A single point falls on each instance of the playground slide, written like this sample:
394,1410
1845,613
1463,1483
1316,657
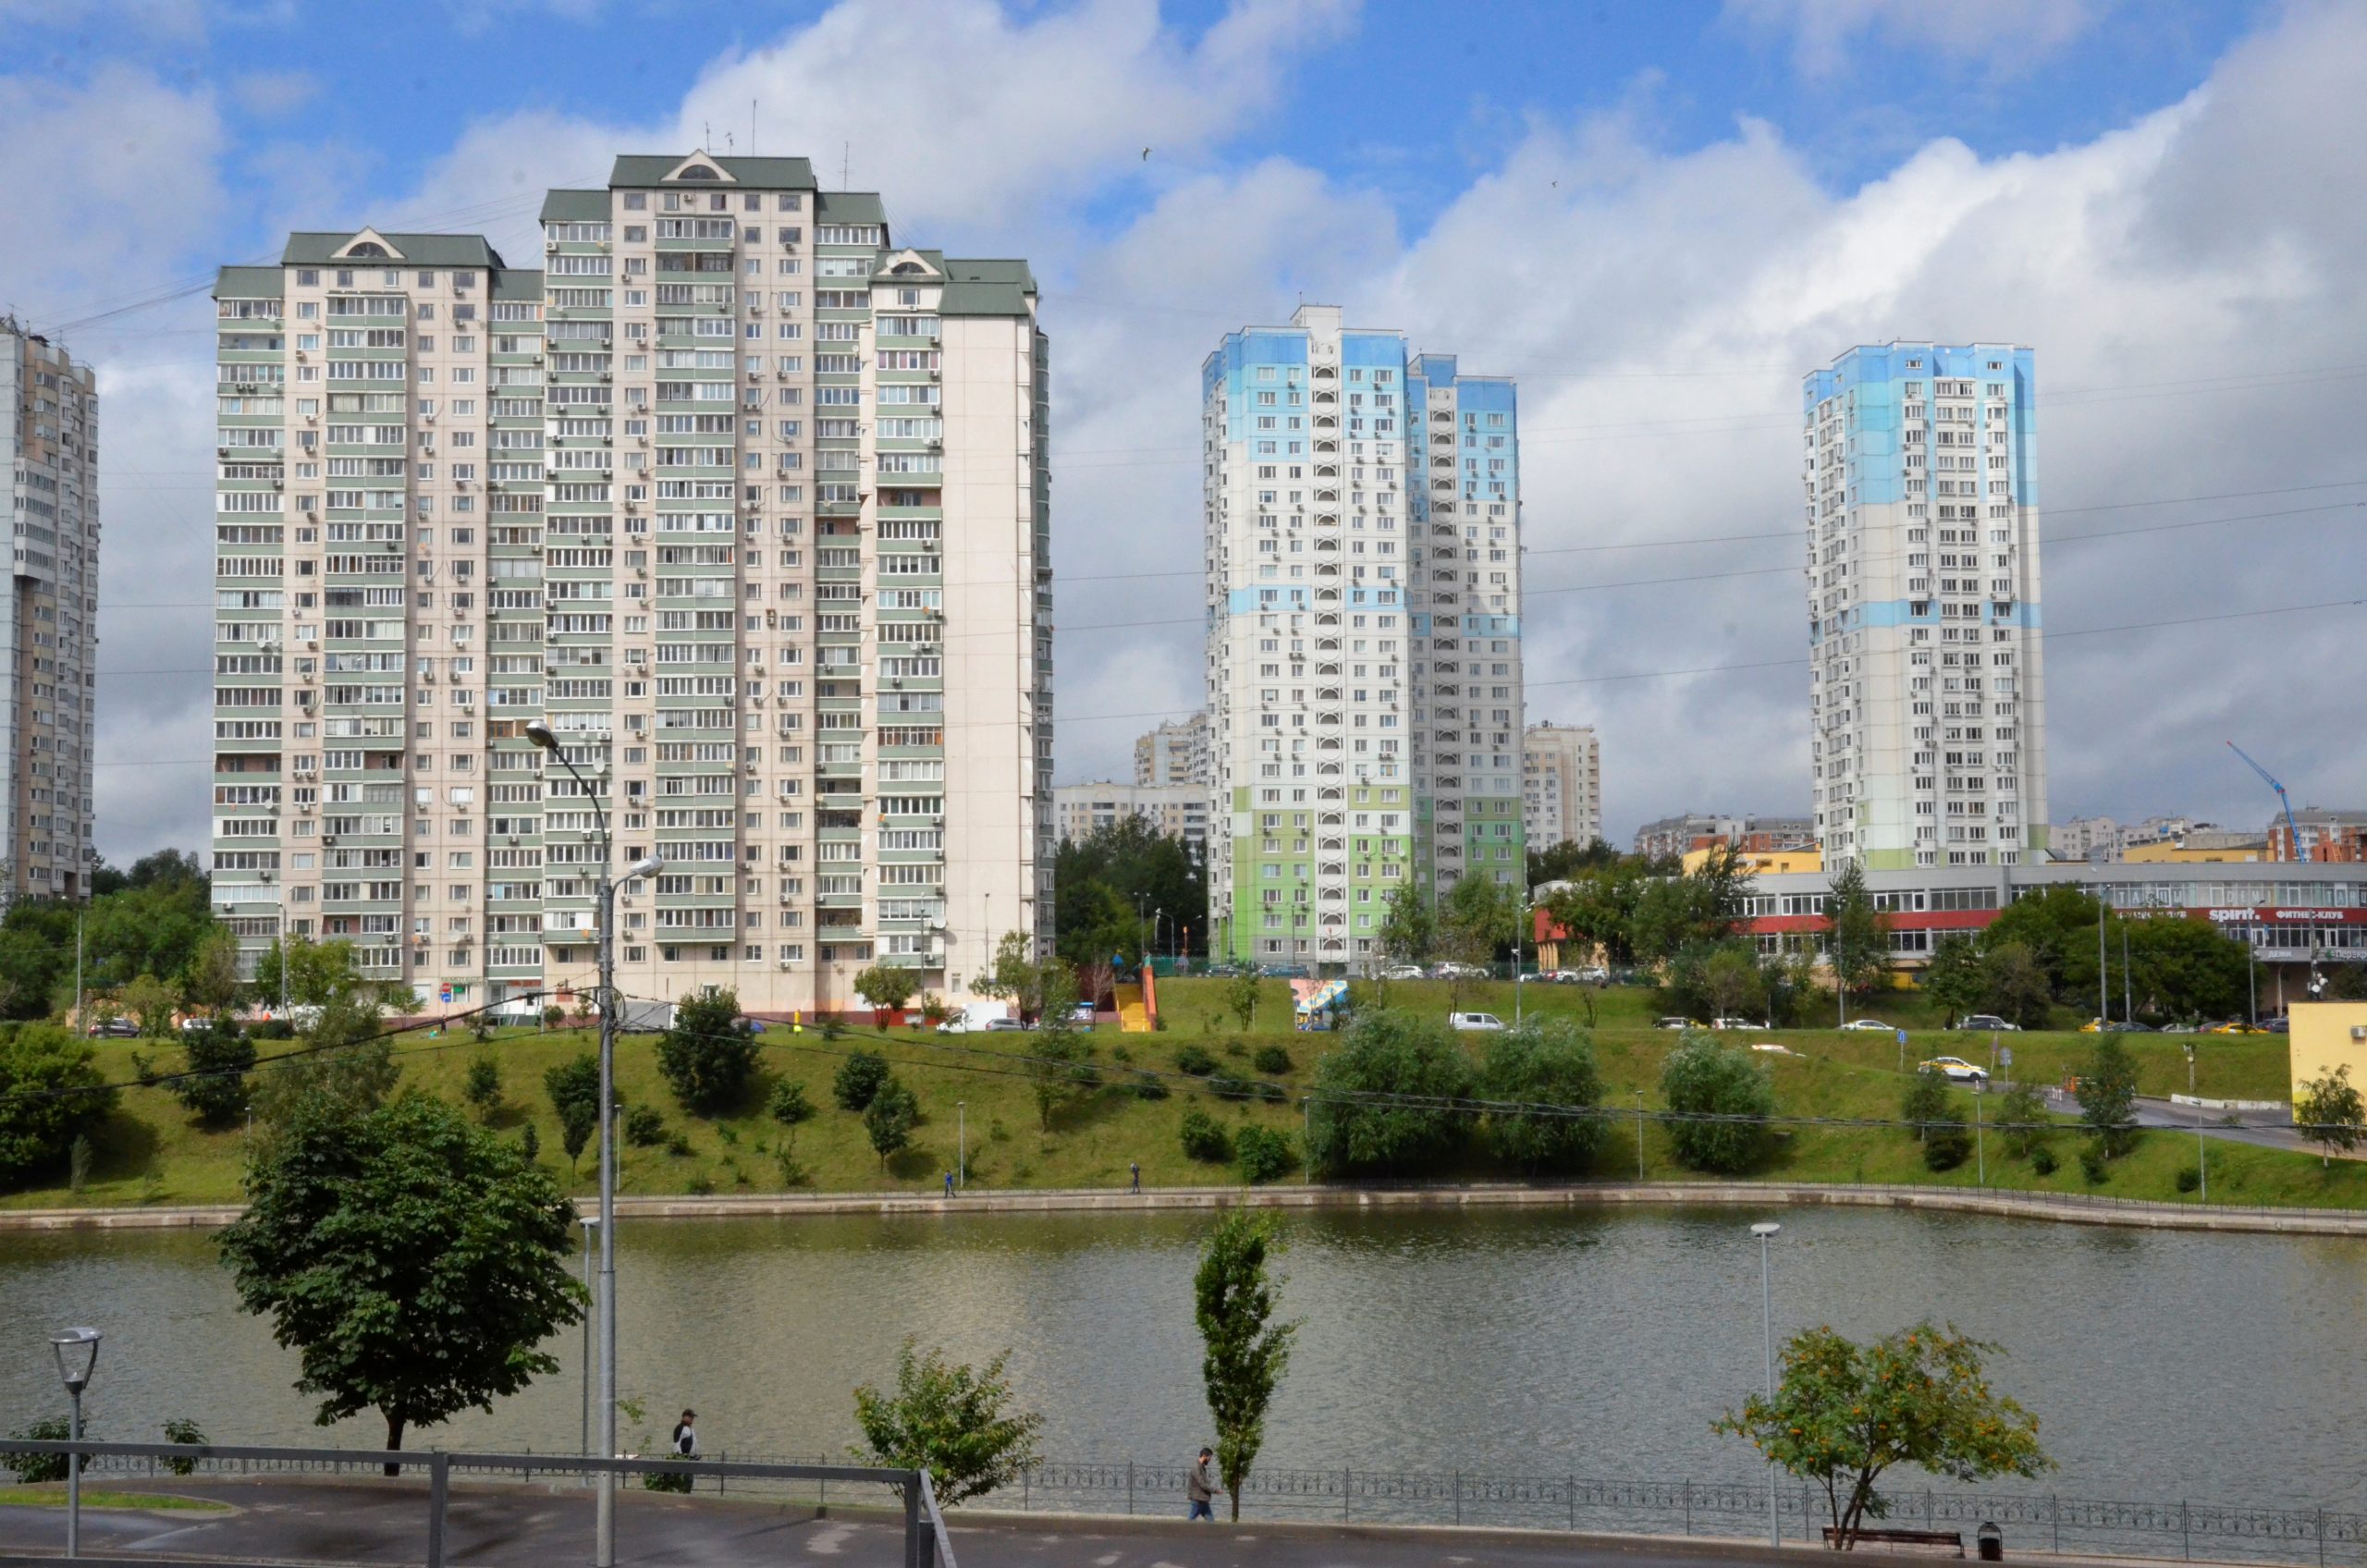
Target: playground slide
1133,1014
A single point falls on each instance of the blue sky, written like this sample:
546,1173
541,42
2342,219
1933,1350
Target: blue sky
1657,215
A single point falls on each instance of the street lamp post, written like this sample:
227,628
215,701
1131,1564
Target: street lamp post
1520,901
76,1351
604,1551
1639,1134
589,1225
960,1144
1765,1231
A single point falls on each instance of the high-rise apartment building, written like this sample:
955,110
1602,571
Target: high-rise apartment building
745,498
1927,685
1362,510
1561,784
49,449
1173,754
1179,811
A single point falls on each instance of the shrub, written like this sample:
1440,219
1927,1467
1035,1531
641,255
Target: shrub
1260,1154
2043,1160
1946,1144
223,1058
1120,1054
273,1029
789,1105
1543,1063
2190,1178
699,1186
1203,1139
481,1087
1705,1077
1389,1053
859,1078
182,1429
1272,1061
1227,1087
1196,1060
677,1146
35,1468
530,1143
2027,1128
644,1129
1149,1087
50,1092
889,1119
2093,1162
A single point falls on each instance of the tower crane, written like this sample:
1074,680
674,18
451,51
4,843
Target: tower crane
2293,837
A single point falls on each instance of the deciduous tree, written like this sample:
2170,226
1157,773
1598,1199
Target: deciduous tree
1542,1063
2108,1094
962,1426
2330,1114
51,1092
708,1055
1389,1052
1244,1350
1721,1097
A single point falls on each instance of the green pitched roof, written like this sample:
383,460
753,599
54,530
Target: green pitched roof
520,285
249,283
849,206
991,286
747,174
314,249
575,206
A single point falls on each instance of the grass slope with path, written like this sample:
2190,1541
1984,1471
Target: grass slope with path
150,1153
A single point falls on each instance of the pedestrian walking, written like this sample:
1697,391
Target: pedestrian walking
949,1184
1200,1487
686,1435
1135,1167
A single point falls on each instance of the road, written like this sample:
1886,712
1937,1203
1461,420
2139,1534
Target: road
370,1522
2262,1129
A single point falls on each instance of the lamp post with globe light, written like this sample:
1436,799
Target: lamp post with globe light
78,1357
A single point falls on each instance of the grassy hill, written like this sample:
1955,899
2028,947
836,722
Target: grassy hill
150,1154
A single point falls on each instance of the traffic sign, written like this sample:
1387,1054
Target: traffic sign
2005,1055
446,995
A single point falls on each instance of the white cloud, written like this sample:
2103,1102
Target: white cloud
270,95
2003,34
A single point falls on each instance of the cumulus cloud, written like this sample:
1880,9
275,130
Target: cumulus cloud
2011,34
270,95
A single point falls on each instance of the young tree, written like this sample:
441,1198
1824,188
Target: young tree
212,981
1721,1097
1953,978
2014,982
152,1002
886,987
2023,1121
1717,979
2330,1113
52,1091
859,1077
788,1104
578,1120
1542,1063
1244,1352
1477,917
2108,1095
1055,1064
1241,997
350,1066
219,1057
1858,935
1925,1104
958,1423
1389,1052
706,1055
1844,1414
1408,930
481,1087
415,1261
1016,975
889,1119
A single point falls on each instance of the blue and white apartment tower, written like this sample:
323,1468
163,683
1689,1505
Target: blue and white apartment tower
1927,686
1364,656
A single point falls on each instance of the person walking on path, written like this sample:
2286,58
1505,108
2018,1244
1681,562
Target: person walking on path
1137,1168
1200,1487
686,1435
949,1184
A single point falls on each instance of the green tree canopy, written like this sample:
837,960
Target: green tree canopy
2330,1113
1107,883
2108,1094
1244,1350
887,986
1389,1052
2014,986
959,1424
219,1059
1857,935
52,1091
2186,968
1717,1091
2057,925
706,1055
1717,979
413,1260
1559,863
1409,931
1953,977
1543,1062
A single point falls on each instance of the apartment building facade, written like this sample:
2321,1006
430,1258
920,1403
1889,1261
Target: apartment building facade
1928,683
1173,754
2325,834
744,498
50,445
1679,835
1179,811
1561,784
1362,512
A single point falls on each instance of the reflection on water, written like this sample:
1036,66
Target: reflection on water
2162,1364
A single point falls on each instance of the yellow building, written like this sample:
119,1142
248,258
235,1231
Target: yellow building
1762,863
2328,1035
2175,851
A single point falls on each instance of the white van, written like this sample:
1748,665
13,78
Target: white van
1485,1022
978,1018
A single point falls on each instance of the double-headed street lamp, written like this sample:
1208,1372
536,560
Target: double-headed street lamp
605,1300
78,1357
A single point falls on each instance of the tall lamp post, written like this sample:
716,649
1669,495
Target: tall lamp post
78,1357
589,1227
1520,908
603,1554
1765,1231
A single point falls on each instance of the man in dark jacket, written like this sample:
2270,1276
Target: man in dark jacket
1200,1487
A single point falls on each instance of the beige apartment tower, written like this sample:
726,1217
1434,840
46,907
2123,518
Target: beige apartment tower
50,633
1561,784
745,497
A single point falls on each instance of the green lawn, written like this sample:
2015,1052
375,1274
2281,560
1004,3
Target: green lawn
53,1495
149,1153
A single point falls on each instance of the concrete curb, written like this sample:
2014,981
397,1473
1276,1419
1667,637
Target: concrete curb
2010,1204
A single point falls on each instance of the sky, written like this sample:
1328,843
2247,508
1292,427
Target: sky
1657,217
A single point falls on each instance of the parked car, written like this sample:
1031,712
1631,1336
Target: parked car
1675,1024
1956,1067
1284,971
1535,977
1736,1023
1458,972
1403,972
1003,1026
1486,1023
115,1029
2235,1026
976,1019
1985,1023
2129,1026
1082,1014
1873,1023
2280,1024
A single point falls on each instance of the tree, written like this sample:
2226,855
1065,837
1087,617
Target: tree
1722,1099
886,987
482,1088
578,1120
1016,975
1103,881
1476,919
211,979
51,1092
1925,1103
2330,1114
1389,1052
1408,930
859,1077
1559,863
152,1002
706,1055
788,1104
889,1119
1542,1063
1056,1064
1717,979
2058,926
2186,968
219,1057
574,1086
1858,934
957,1423
348,1064
2014,984
1244,1352
1597,907
317,971
1844,1414
2108,1095
2023,1121
1953,978
415,1261
1701,905
1241,997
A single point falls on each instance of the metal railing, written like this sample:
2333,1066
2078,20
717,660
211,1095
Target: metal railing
2030,1522
926,1543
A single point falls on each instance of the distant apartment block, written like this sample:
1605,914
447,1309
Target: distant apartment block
1679,836
49,450
1362,511
1174,754
1561,784
744,495
1927,696
2325,835
1178,810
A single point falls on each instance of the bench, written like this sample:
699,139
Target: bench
1939,1543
